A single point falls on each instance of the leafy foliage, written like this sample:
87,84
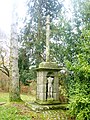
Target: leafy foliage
24,71
33,34
79,67
80,80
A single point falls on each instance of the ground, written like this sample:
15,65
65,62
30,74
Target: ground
19,111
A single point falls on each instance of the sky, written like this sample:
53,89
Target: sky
6,12
5,9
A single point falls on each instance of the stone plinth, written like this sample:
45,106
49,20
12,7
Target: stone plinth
38,107
47,83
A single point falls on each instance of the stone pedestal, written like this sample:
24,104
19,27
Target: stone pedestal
47,83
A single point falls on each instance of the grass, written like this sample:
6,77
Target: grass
18,111
4,97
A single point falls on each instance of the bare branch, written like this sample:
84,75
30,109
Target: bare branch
3,68
4,71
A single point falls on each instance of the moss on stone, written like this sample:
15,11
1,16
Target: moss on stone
42,107
47,102
49,65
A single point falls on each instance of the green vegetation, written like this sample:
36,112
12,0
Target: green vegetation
4,97
11,113
18,111
69,47
79,84
79,69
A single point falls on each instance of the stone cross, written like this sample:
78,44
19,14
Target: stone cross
47,38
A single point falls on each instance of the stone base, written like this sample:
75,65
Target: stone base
38,107
2,103
48,102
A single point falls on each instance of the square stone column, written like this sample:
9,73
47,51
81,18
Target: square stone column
41,85
46,70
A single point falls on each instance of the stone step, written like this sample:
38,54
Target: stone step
2,103
37,107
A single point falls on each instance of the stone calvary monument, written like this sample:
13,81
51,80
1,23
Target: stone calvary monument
47,76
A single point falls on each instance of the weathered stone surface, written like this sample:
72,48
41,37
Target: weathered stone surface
41,88
45,71
48,65
47,38
2,103
38,107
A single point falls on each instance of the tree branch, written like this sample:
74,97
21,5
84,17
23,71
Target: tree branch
4,69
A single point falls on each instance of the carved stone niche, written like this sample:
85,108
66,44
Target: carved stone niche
47,83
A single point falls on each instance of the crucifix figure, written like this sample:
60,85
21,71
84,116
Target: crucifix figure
50,87
47,38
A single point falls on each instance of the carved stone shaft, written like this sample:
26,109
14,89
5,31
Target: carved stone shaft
47,38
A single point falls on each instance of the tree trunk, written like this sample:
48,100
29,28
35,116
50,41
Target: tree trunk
14,89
